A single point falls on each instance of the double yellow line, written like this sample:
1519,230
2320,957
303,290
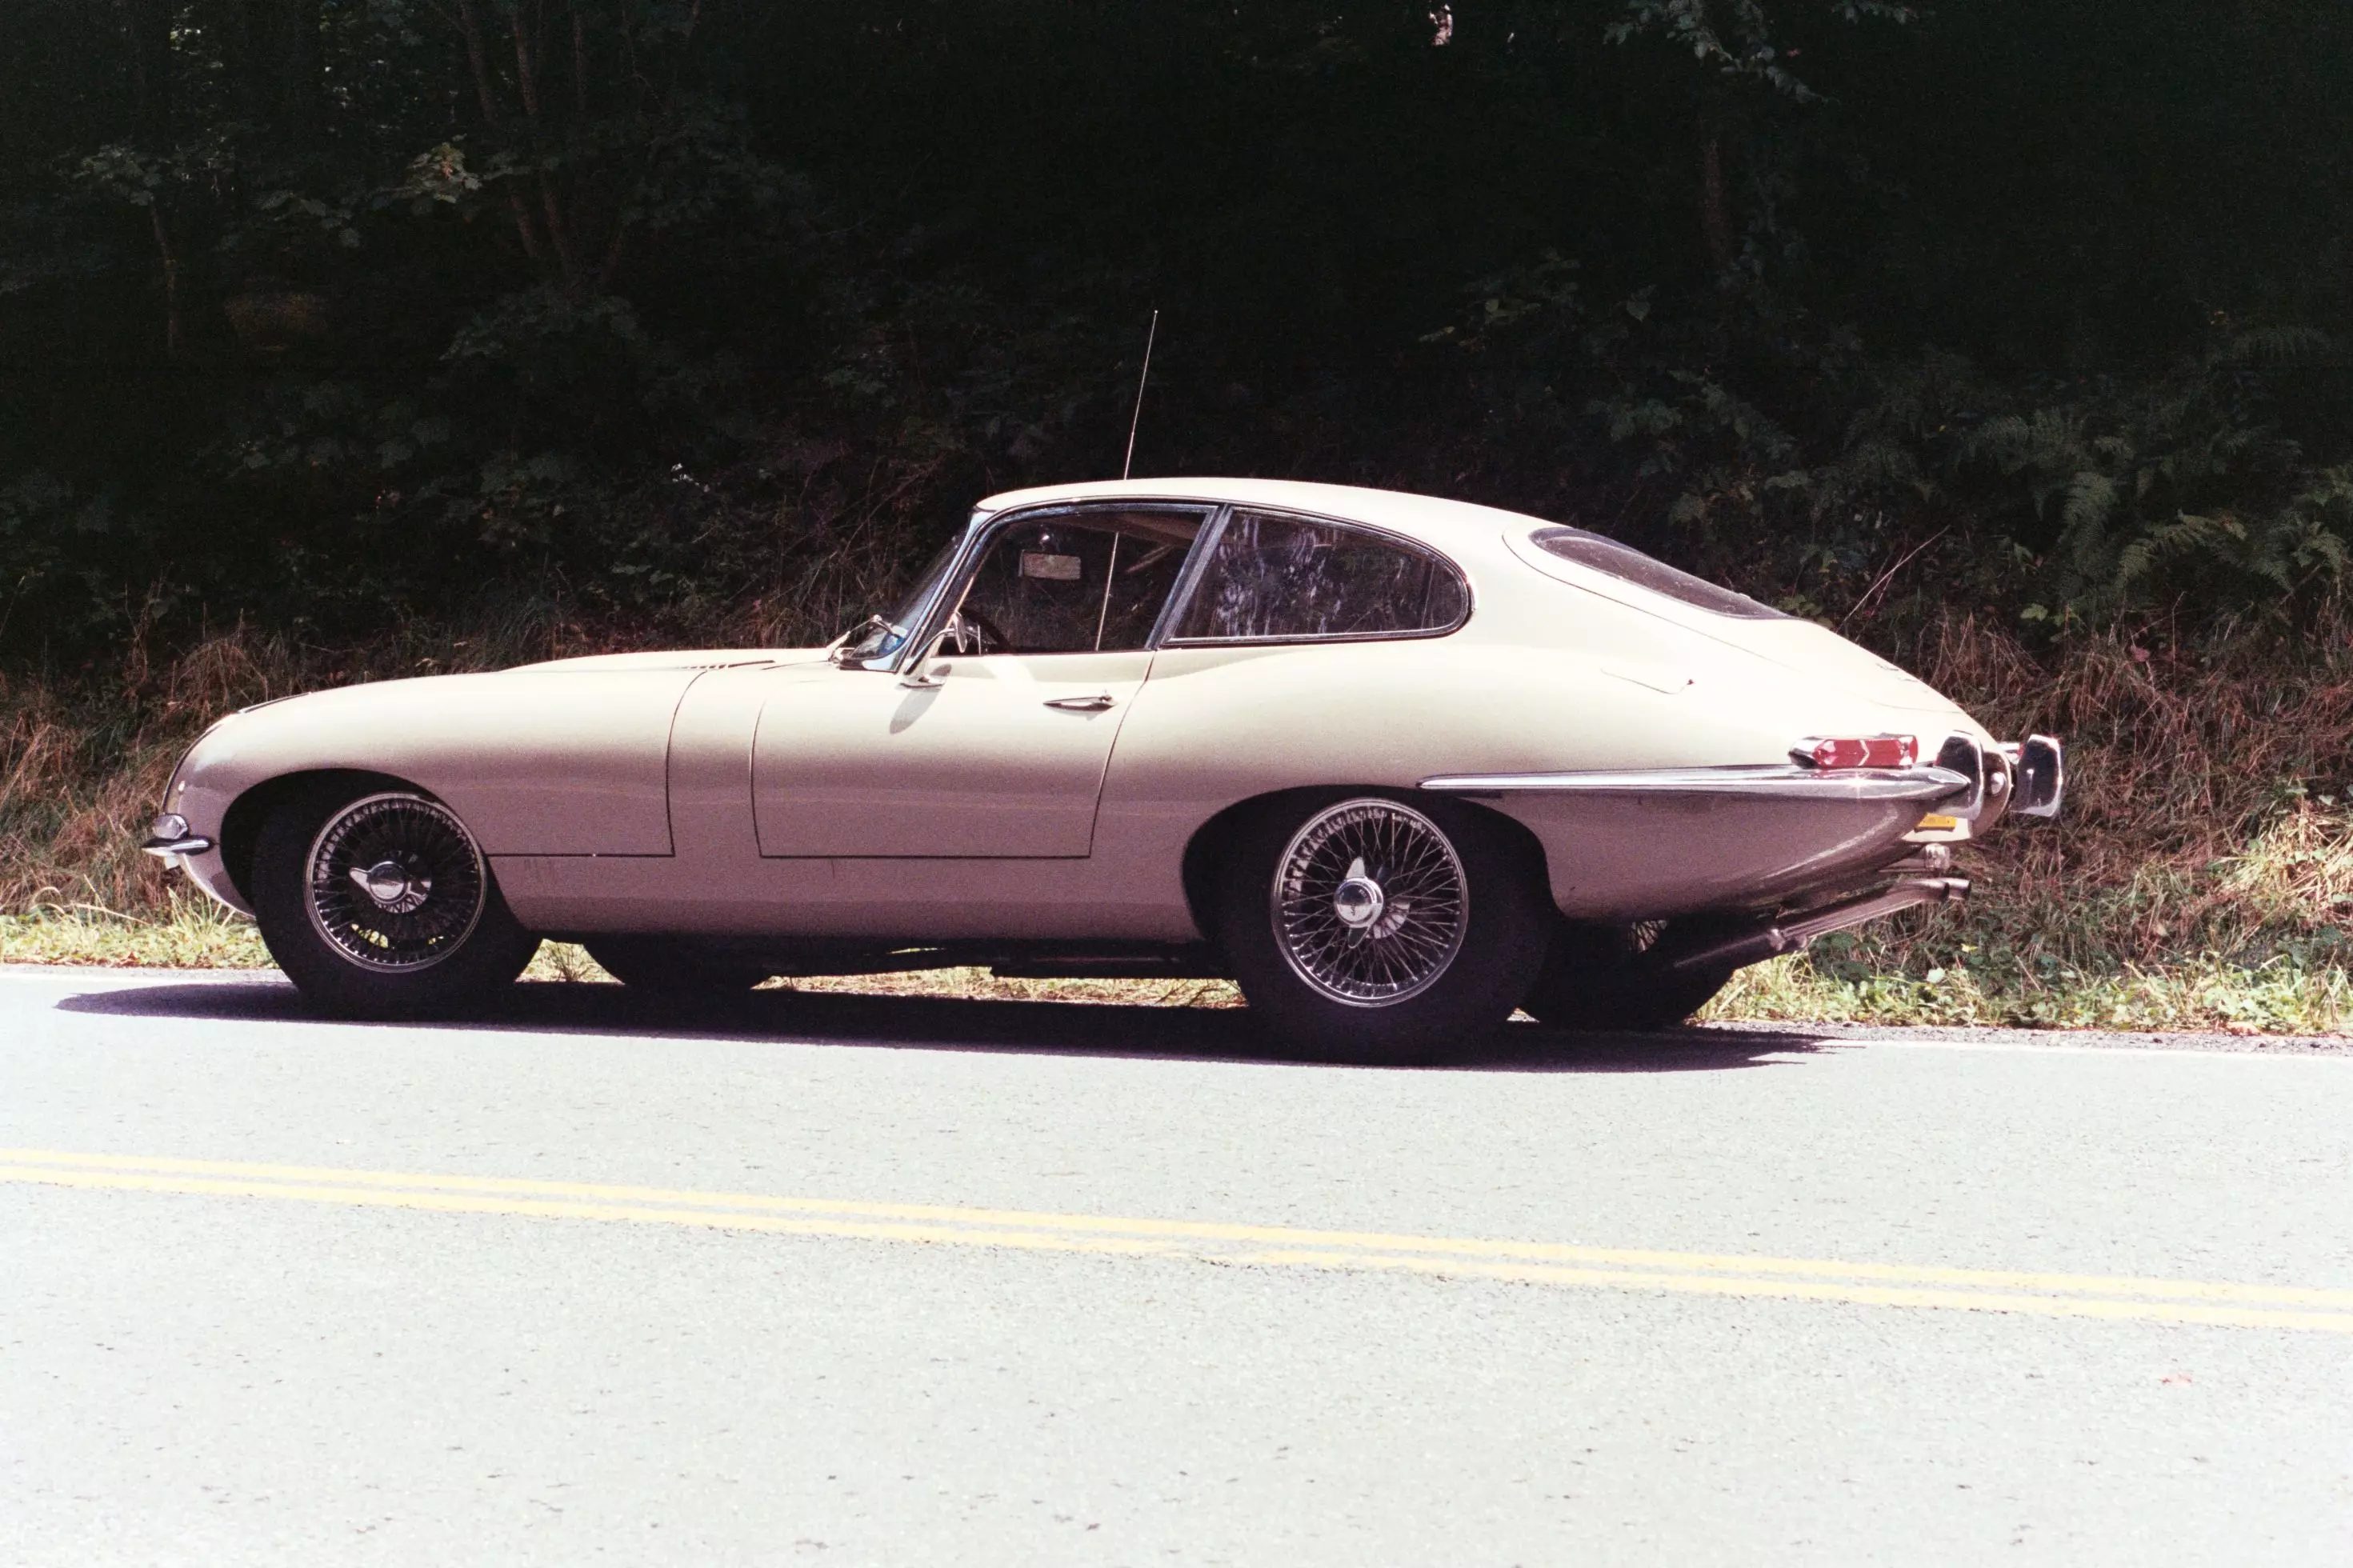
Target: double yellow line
1249,1246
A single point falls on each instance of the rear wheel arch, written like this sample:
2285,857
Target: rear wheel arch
1214,839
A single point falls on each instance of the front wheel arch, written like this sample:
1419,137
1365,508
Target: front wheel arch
241,824
427,935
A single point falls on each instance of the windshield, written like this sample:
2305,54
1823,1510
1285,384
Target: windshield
884,636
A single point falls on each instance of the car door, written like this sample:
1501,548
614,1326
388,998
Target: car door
993,745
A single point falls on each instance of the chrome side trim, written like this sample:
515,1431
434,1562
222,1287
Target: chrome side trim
1775,780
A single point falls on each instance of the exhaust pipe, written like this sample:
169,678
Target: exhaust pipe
1794,933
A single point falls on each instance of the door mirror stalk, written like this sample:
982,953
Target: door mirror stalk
920,674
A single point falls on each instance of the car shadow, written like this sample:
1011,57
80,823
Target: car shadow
937,1023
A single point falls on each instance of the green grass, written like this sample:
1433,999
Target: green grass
190,932
1831,985
2278,997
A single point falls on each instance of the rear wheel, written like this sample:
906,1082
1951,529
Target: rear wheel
1371,929
1593,978
677,965
379,904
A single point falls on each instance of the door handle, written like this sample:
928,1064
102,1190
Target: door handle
1096,704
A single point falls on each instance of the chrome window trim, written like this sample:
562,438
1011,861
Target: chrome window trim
1205,545
986,527
1780,781
889,663
1198,567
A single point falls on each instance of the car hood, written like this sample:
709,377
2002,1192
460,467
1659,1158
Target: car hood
678,658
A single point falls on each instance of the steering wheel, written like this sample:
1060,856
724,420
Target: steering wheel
988,632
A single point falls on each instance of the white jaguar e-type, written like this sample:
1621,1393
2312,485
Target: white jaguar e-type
1396,765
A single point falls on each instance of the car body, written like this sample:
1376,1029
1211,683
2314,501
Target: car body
935,787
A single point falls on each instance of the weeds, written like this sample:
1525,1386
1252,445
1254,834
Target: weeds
2201,876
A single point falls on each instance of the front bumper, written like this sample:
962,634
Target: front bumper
173,841
169,840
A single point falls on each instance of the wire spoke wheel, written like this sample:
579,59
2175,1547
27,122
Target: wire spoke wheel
395,883
1370,902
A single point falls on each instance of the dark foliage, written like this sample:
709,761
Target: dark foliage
705,314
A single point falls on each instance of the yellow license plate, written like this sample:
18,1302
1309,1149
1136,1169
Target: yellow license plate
1932,822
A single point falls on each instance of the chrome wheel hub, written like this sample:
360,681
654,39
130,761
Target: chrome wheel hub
396,883
1369,903
1359,901
394,887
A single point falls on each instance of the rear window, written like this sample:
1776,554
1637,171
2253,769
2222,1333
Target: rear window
1632,566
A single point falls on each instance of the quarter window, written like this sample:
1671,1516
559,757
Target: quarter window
1273,578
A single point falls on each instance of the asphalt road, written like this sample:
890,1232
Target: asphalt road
862,1282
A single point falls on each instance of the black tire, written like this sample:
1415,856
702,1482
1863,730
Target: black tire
429,937
1593,978
1463,959
671,965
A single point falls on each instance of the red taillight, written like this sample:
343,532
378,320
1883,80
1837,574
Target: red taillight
1865,751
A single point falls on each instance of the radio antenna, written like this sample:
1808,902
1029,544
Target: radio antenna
1151,332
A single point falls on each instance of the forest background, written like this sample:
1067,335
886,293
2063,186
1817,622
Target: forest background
344,338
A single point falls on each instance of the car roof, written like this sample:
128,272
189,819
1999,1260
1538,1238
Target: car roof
1431,517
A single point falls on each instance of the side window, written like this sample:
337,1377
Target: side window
1278,577
1075,583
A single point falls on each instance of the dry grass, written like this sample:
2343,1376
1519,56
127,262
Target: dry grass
83,765
982,985
2203,876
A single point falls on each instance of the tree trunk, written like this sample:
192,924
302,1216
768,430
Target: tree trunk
276,69
272,48
299,68
171,261
149,25
1715,205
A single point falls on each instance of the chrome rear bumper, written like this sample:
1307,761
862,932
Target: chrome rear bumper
2041,771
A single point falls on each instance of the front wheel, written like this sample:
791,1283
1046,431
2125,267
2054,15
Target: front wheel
379,904
1374,929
